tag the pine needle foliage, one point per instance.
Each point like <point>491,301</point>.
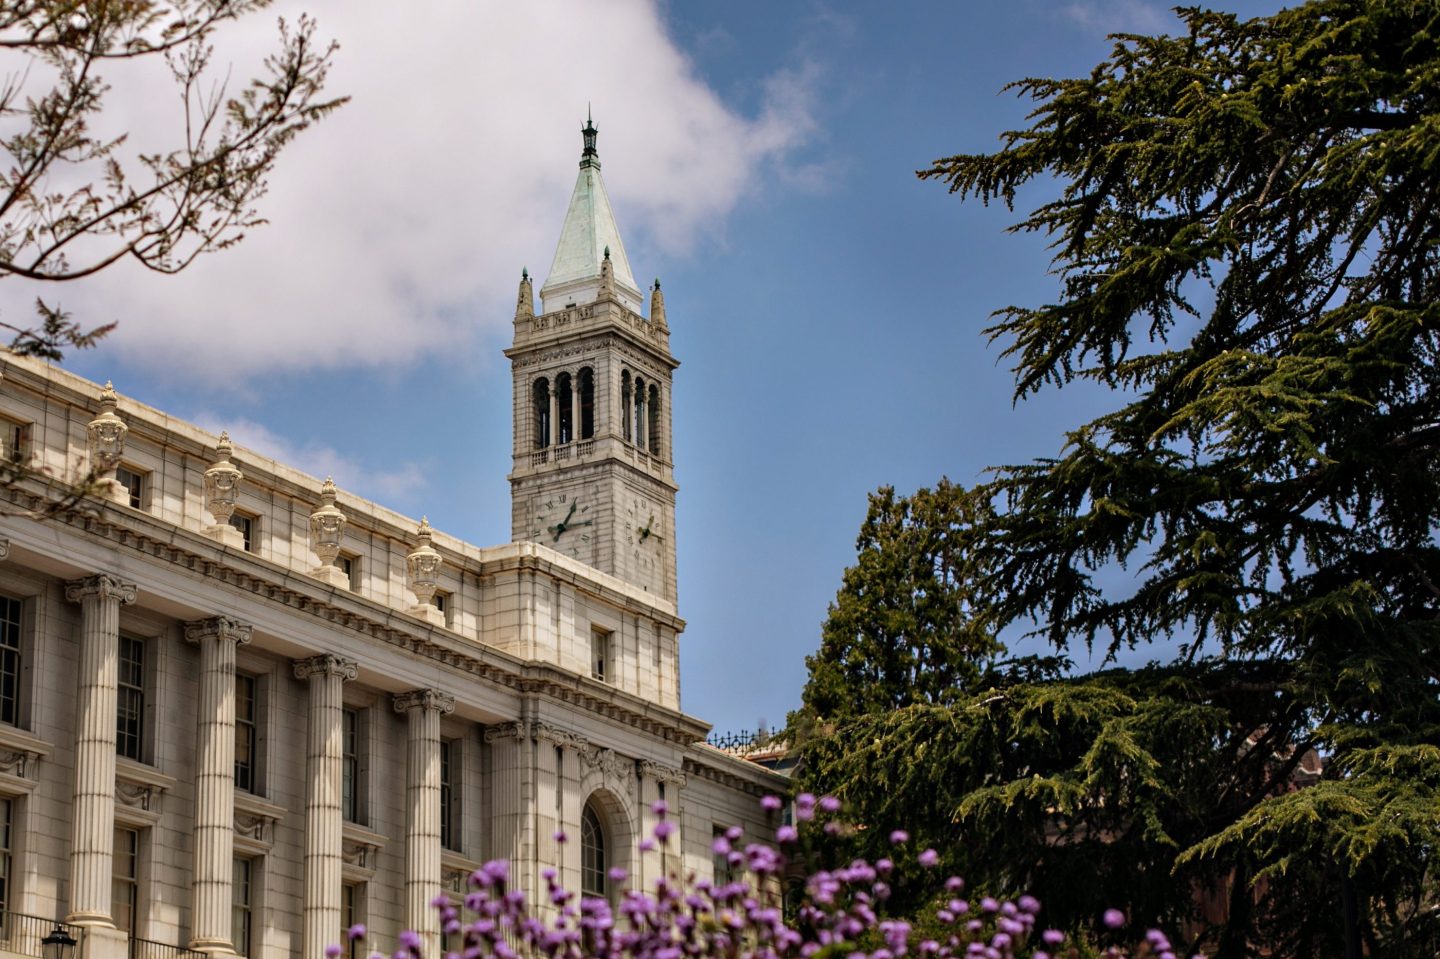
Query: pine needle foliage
<point>1246,239</point>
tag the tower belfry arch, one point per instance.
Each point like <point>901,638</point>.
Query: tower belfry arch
<point>592,473</point>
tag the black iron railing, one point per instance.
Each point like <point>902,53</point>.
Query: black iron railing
<point>21,934</point>
<point>750,739</point>
<point>146,949</point>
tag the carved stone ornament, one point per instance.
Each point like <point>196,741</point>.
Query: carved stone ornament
<point>501,731</point>
<point>657,305</point>
<point>610,764</point>
<point>106,433</point>
<point>326,665</point>
<point>525,300</point>
<point>101,586</point>
<point>222,482</point>
<point>662,773</point>
<point>17,761</point>
<point>219,627</point>
<point>327,526</point>
<point>258,828</point>
<point>4,548</point>
<point>137,795</point>
<point>361,855</point>
<point>560,737</point>
<point>424,699</point>
<point>423,565</point>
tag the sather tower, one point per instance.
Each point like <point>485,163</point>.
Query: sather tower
<point>593,475</point>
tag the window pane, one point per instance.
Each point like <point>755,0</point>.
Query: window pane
<point>10,661</point>
<point>350,767</point>
<point>240,906</point>
<point>124,879</point>
<point>245,732</point>
<point>130,699</point>
<point>592,855</point>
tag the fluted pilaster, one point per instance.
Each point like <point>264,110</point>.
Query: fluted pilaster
<point>323,825</point>
<point>210,890</point>
<point>422,709</point>
<point>92,831</point>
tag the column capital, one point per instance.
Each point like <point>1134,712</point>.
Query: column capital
<point>662,773</point>
<point>514,730</point>
<point>429,699</point>
<point>326,665</point>
<point>219,627</point>
<point>103,585</point>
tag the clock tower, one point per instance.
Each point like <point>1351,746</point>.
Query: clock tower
<point>593,474</point>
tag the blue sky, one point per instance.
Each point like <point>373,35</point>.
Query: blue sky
<point>826,306</point>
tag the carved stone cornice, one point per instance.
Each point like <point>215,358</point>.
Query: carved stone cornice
<point>662,773</point>
<point>779,785</point>
<point>326,665</point>
<point>218,627</point>
<point>430,699</point>
<point>103,585</point>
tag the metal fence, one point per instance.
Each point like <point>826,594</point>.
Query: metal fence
<point>21,934</point>
<point>146,949</point>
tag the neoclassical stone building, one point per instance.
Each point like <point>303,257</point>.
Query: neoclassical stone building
<point>241,709</point>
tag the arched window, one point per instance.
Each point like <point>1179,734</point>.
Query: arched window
<point>594,866</point>
<point>639,431</point>
<point>625,405</point>
<point>542,413</point>
<point>587,403</point>
<point>652,410</point>
<point>566,398</point>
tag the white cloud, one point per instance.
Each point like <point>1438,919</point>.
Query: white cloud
<point>1121,16</point>
<point>399,486</point>
<point>399,225</point>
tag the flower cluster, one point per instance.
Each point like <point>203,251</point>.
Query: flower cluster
<point>841,915</point>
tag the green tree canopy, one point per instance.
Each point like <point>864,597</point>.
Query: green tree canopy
<point>1247,240</point>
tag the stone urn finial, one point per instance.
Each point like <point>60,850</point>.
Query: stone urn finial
<point>327,527</point>
<point>423,564</point>
<point>105,436</point>
<point>222,485</point>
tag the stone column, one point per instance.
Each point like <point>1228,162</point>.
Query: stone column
<point>324,754</point>
<point>210,890</point>
<point>513,836</point>
<point>554,413</point>
<point>422,709</point>
<point>655,779</point>
<point>575,408</point>
<point>92,830</point>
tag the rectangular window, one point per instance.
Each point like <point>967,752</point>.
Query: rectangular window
<point>7,845</point>
<point>10,661</point>
<point>134,484</point>
<point>352,913</point>
<point>721,872</point>
<point>449,794</point>
<point>246,525</point>
<point>130,700</point>
<point>443,602</point>
<point>351,793</point>
<point>241,891</point>
<point>125,880</point>
<point>15,441</point>
<point>350,566</point>
<point>600,654</point>
<point>246,739</point>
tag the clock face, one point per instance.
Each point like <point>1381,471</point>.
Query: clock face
<point>646,531</point>
<point>564,522</point>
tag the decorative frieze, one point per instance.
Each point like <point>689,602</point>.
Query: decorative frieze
<point>662,773</point>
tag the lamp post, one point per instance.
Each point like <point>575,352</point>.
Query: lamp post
<point>58,945</point>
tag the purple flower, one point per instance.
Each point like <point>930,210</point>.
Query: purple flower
<point>646,845</point>
<point>1114,918</point>
<point>770,803</point>
<point>332,951</point>
<point>409,939</point>
<point>560,836</point>
<point>663,829</point>
<point>929,859</point>
<point>829,804</point>
<point>659,808</point>
<point>617,874</point>
<point>357,931</point>
<point>899,836</point>
<point>1029,904</point>
<point>786,834</point>
<point>1052,937</point>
